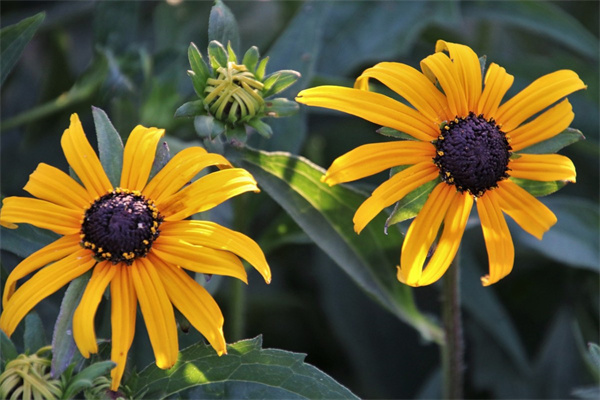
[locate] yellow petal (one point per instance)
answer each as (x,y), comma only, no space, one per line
(138,156)
(545,126)
(54,251)
(49,183)
(468,69)
(422,233)
(41,285)
(527,211)
(214,236)
(543,167)
(197,258)
(194,302)
(498,242)
(412,85)
(455,222)
(123,307)
(497,82)
(373,107)
(83,318)
(372,158)
(180,170)
(439,66)
(157,311)
(83,159)
(393,190)
(540,94)
(206,193)
(43,214)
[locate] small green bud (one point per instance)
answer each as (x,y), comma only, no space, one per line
(28,377)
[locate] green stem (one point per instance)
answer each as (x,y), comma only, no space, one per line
(453,349)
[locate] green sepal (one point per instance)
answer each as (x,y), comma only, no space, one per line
(85,379)
(190,109)
(207,126)
(217,54)
(537,188)
(236,133)
(251,58)
(262,128)
(231,54)
(200,72)
(262,67)
(411,204)
(279,81)
(554,144)
(390,132)
(280,107)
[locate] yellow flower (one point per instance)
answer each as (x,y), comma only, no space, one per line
(467,141)
(136,238)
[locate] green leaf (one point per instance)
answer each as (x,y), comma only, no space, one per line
(85,378)
(554,144)
(218,55)
(63,345)
(279,81)
(199,71)
(110,146)
(33,337)
(538,188)
(161,158)
(25,240)
(190,109)
(325,213)
(9,351)
(13,40)
(222,26)
(247,372)
(262,128)
(261,69)
(391,132)
(251,58)
(280,107)
(411,204)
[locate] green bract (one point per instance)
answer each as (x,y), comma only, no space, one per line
(232,96)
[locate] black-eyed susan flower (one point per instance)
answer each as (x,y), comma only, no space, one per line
(137,240)
(465,140)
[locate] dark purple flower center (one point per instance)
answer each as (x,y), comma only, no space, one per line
(120,226)
(472,153)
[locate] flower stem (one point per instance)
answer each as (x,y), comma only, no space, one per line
(453,348)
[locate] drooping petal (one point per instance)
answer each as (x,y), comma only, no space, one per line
(527,211)
(373,107)
(497,82)
(498,242)
(448,244)
(412,85)
(198,258)
(83,318)
(180,170)
(439,66)
(468,69)
(138,156)
(372,158)
(123,307)
(543,167)
(214,236)
(54,251)
(41,285)
(41,213)
(393,190)
(194,302)
(49,183)
(422,233)
(540,94)
(83,159)
(206,193)
(157,311)
(545,126)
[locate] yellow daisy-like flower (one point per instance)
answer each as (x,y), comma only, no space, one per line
(135,238)
(466,140)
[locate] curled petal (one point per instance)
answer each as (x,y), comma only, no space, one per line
(497,82)
(439,66)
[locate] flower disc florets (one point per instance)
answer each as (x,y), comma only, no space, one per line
(472,154)
(120,226)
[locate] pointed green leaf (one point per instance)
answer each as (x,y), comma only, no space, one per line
(9,351)
(538,188)
(231,54)
(222,25)
(110,146)
(34,337)
(85,379)
(279,81)
(262,128)
(552,145)
(218,55)
(391,132)
(280,107)
(63,344)
(13,40)
(161,158)
(247,372)
(411,204)
(190,109)
(261,69)
(325,213)
(251,58)
(200,72)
